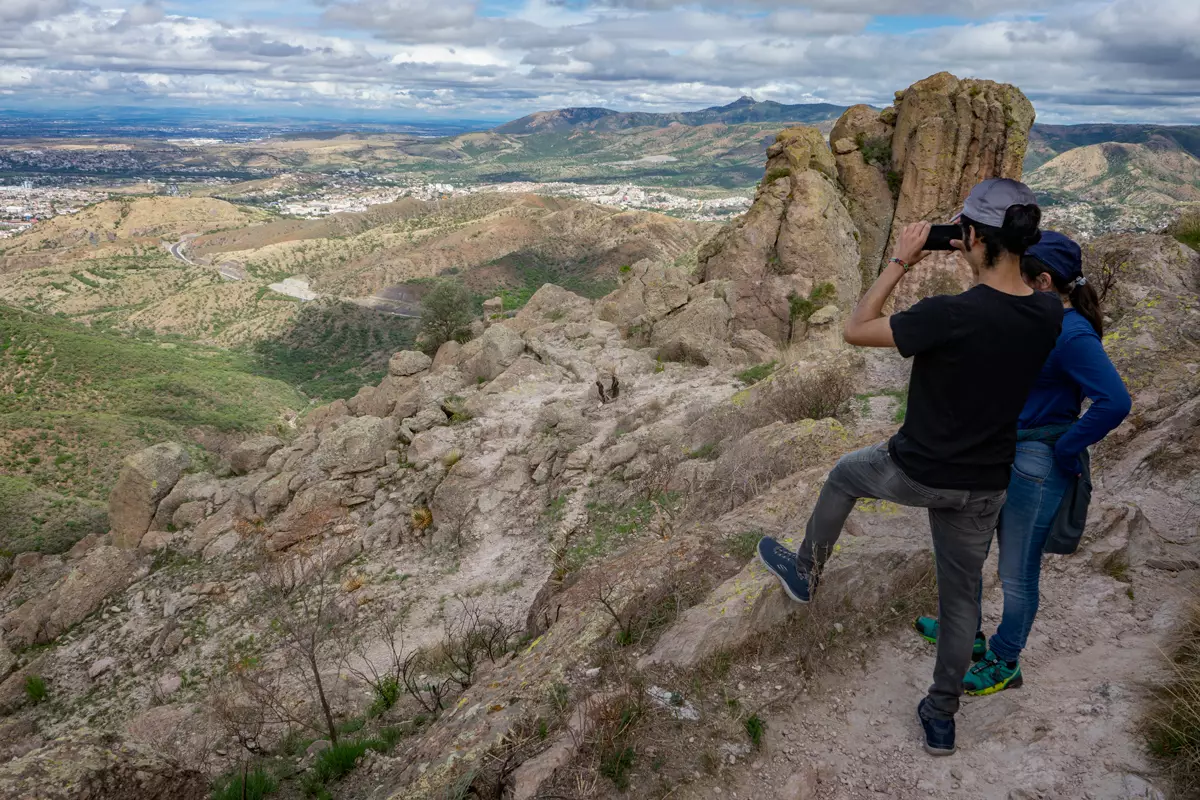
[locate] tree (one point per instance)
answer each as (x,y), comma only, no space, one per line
(446,314)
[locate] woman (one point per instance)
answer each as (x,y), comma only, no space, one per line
(1051,438)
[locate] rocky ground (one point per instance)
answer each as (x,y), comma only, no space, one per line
(523,568)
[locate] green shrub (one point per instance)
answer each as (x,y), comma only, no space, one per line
(802,308)
(446,314)
(35,689)
(756,729)
(387,692)
(756,373)
(251,786)
(876,151)
(775,174)
(339,760)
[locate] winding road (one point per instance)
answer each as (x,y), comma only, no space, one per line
(177,252)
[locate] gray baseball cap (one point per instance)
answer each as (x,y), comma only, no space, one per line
(990,199)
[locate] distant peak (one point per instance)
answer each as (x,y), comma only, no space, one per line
(745,100)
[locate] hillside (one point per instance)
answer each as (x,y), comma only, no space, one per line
(75,401)
(743,110)
(1112,186)
(1048,141)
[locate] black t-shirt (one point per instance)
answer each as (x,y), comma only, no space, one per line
(976,356)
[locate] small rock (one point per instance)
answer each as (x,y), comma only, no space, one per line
(592,673)
(100,667)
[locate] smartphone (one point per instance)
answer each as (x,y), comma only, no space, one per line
(940,236)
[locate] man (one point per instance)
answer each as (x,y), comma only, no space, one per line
(975,358)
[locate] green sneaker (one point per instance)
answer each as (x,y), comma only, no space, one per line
(992,675)
(928,628)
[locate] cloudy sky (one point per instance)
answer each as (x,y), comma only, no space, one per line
(1119,60)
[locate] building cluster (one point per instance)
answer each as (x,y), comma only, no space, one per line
(24,204)
(352,196)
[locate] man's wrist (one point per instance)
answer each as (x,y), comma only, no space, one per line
(900,262)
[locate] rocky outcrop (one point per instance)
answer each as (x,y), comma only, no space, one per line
(146,478)
(950,134)
(100,573)
(94,769)
(826,216)
(649,292)
(797,236)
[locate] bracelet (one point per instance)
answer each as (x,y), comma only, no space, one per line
(903,264)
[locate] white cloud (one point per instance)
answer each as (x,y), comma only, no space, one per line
(1078,60)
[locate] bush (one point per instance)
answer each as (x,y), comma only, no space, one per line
(1187,229)
(35,689)
(876,151)
(446,314)
(775,174)
(756,729)
(340,759)
(756,373)
(250,786)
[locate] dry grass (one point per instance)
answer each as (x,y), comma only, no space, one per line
(639,747)
(1172,722)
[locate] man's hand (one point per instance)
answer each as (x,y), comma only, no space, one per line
(910,247)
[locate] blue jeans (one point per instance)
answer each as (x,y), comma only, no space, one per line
(1035,490)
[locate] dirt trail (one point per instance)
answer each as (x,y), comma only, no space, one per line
(1068,734)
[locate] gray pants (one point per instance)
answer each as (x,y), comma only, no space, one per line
(962,521)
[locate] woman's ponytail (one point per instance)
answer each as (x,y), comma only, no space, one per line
(1081,294)
(1085,300)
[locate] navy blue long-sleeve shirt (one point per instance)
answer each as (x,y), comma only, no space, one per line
(1077,368)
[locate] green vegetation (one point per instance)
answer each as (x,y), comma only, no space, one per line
(612,525)
(802,308)
(756,373)
(446,314)
(75,401)
(337,761)
(756,729)
(705,452)
(1187,229)
(35,689)
(333,349)
(253,785)
(876,151)
(775,174)
(744,546)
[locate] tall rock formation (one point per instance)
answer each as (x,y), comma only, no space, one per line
(830,217)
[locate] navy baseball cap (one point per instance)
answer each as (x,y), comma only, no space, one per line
(990,200)
(1060,254)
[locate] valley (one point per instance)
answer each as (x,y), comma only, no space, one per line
(280,520)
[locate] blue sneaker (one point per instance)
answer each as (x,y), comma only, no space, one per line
(939,733)
(782,564)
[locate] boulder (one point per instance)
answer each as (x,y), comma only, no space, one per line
(102,572)
(358,445)
(98,769)
(145,479)
(699,333)
(198,487)
(551,304)
(650,292)
(485,358)
(880,555)
(447,355)
(253,453)
(313,513)
(408,362)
